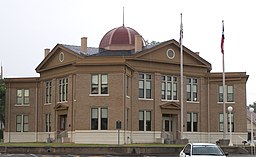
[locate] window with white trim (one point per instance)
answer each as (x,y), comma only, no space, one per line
(48,122)
(22,123)
(22,97)
(229,93)
(221,122)
(48,92)
(145,83)
(169,88)
(192,89)
(144,120)
(127,85)
(99,118)
(63,89)
(99,84)
(192,122)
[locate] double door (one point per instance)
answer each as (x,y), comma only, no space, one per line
(169,127)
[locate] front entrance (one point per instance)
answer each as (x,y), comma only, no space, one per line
(169,127)
(63,122)
(62,128)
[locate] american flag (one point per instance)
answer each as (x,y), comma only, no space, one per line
(181,30)
(222,39)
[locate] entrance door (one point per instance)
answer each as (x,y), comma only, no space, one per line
(168,123)
(63,122)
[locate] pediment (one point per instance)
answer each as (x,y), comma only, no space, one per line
(161,53)
(61,106)
(170,106)
(58,57)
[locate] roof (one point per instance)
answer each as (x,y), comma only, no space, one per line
(119,38)
(76,49)
(94,52)
(114,53)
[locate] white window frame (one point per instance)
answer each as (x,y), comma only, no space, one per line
(127,86)
(100,116)
(221,122)
(164,84)
(99,84)
(48,122)
(48,92)
(192,85)
(229,90)
(22,95)
(22,126)
(63,89)
(192,119)
(146,80)
(147,116)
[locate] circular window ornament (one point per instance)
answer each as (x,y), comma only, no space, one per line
(170,53)
(61,57)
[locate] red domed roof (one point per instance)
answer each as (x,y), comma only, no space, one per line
(120,38)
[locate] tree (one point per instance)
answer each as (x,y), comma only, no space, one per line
(152,43)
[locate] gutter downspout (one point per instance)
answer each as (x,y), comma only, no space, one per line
(9,114)
(208,109)
(124,102)
(131,106)
(36,114)
(73,107)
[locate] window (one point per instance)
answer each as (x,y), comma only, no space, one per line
(232,122)
(99,119)
(48,122)
(22,96)
(127,84)
(145,86)
(99,84)
(192,122)
(144,120)
(192,89)
(63,89)
(187,149)
(229,95)
(104,119)
(21,123)
(48,92)
(221,122)
(127,118)
(169,88)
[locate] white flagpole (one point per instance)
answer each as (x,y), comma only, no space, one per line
(224,85)
(181,80)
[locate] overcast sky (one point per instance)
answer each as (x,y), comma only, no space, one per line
(27,27)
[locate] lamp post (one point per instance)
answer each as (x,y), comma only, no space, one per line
(252,142)
(230,109)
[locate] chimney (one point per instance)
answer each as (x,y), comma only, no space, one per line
(46,52)
(83,47)
(138,43)
(198,53)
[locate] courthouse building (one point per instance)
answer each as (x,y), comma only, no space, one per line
(83,92)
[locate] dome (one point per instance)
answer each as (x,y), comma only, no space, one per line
(120,38)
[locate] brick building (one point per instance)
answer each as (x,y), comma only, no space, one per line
(83,91)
